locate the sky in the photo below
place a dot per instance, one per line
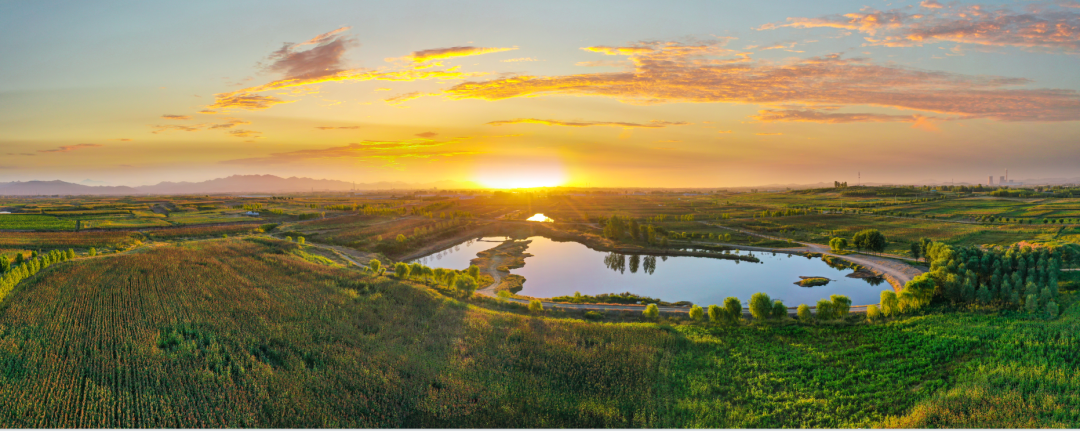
(525, 94)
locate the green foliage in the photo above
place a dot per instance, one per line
(889, 303)
(717, 314)
(779, 310)
(697, 313)
(651, 311)
(401, 270)
(734, 309)
(760, 306)
(465, 285)
(824, 310)
(536, 306)
(870, 239)
(804, 313)
(92, 252)
(375, 266)
(838, 244)
(841, 305)
(873, 313)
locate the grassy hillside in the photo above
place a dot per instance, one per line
(248, 334)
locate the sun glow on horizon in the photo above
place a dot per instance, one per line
(545, 173)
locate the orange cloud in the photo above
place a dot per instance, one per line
(401, 98)
(654, 124)
(814, 116)
(241, 133)
(427, 135)
(230, 123)
(1042, 28)
(70, 148)
(176, 117)
(176, 128)
(251, 102)
(673, 72)
(619, 50)
(457, 51)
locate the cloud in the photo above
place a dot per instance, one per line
(515, 60)
(123, 139)
(457, 51)
(176, 128)
(385, 151)
(619, 50)
(176, 117)
(427, 135)
(323, 59)
(654, 124)
(401, 98)
(70, 148)
(249, 101)
(1043, 28)
(230, 123)
(705, 73)
(768, 134)
(241, 133)
(337, 127)
(816, 116)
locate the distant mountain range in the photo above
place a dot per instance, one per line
(233, 184)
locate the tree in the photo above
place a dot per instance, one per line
(416, 270)
(760, 306)
(93, 252)
(838, 244)
(536, 306)
(1052, 309)
(983, 295)
(696, 313)
(70, 253)
(401, 270)
(651, 311)
(841, 305)
(804, 313)
(779, 310)
(717, 314)
(870, 239)
(889, 305)
(300, 240)
(5, 265)
(824, 309)
(375, 266)
(466, 285)
(288, 238)
(916, 250)
(473, 271)
(1031, 304)
(401, 238)
(873, 313)
(734, 309)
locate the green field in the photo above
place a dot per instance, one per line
(35, 222)
(245, 334)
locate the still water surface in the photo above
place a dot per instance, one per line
(562, 268)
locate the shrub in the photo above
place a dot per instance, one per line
(804, 313)
(1052, 309)
(401, 270)
(760, 306)
(717, 314)
(594, 315)
(300, 240)
(873, 313)
(536, 306)
(697, 313)
(93, 252)
(889, 305)
(473, 271)
(466, 285)
(779, 311)
(733, 308)
(824, 309)
(651, 311)
(375, 266)
(841, 305)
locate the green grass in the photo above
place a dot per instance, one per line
(35, 222)
(245, 334)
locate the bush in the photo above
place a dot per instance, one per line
(1052, 309)
(717, 314)
(401, 270)
(697, 313)
(733, 308)
(889, 305)
(804, 313)
(841, 305)
(651, 311)
(466, 285)
(594, 315)
(536, 306)
(375, 266)
(825, 309)
(873, 313)
(760, 306)
(779, 311)
(93, 252)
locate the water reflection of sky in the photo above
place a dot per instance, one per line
(561, 268)
(459, 256)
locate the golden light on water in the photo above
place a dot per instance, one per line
(540, 218)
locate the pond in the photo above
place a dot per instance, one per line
(458, 256)
(562, 268)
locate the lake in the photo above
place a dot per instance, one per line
(458, 256)
(562, 268)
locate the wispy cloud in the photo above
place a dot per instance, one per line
(384, 151)
(817, 116)
(1042, 27)
(654, 124)
(457, 51)
(162, 128)
(706, 73)
(176, 117)
(337, 127)
(427, 135)
(324, 58)
(241, 133)
(70, 148)
(230, 123)
(515, 60)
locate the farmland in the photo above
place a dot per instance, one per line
(242, 333)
